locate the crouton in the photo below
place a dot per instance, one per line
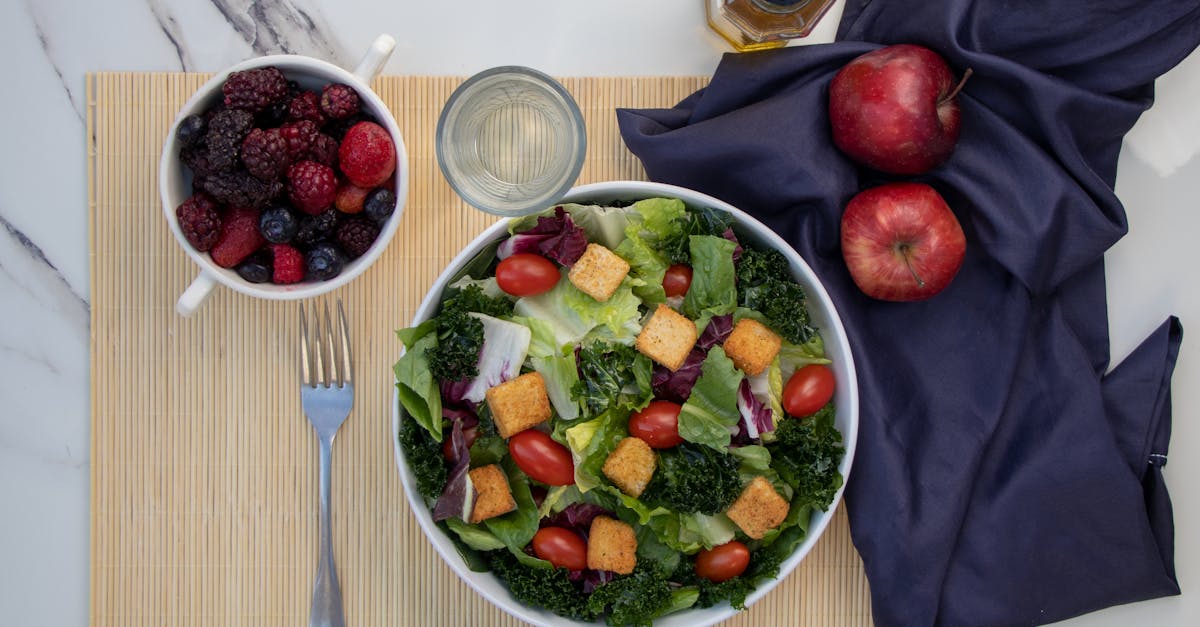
(599, 272)
(630, 466)
(752, 346)
(518, 404)
(758, 509)
(493, 497)
(612, 546)
(667, 337)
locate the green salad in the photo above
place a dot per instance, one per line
(621, 411)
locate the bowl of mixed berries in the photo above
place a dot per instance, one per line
(284, 177)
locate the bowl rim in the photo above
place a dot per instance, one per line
(848, 405)
(318, 69)
(577, 133)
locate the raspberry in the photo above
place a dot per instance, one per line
(288, 264)
(300, 136)
(324, 150)
(339, 101)
(322, 262)
(226, 130)
(265, 154)
(239, 189)
(306, 106)
(380, 204)
(356, 235)
(255, 90)
(199, 221)
(311, 186)
(350, 197)
(367, 155)
(239, 238)
(318, 228)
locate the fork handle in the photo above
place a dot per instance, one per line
(327, 594)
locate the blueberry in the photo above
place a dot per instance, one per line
(256, 268)
(323, 261)
(190, 130)
(278, 225)
(379, 204)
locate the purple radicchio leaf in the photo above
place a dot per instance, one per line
(557, 238)
(577, 516)
(459, 495)
(731, 236)
(677, 386)
(716, 332)
(756, 416)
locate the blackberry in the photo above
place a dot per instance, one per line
(356, 235)
(339, 101)
(337, 128)
(196, 159)
(380, 204)
(256, 268)
(255, 90)
(306, 106)
(324, 150)
(238, 188)
(226, 130)
(190, 131)
(265, 154)
(300, 136)
(318, 228)
(277, 113)
(278, 225)
(200, 222)
(323, 262)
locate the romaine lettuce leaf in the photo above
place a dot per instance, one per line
(418, 390)
(712, 292)
(710, 416)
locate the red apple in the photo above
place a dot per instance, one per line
(901, 242)
(895, 109)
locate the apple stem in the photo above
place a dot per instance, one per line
(908, 264)
(957, 88)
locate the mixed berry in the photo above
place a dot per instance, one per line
(288, 184)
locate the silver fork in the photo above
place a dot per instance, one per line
(327, 394)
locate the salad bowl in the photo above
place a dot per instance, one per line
(823, 316)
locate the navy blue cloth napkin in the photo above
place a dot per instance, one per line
(1005, 475)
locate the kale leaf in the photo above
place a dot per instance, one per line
(806, 453)
(541, 587)
(765, 284)
(460, 336)
(424, 455)
(699, 221)
(607, 372)
(635, 599)
(694, 478)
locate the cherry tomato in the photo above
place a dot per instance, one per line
(677, 280)
(469, 435)
(722, 562)
(657, 424)
(561, 547)
(542, 458)
(526, 274)
(808, 390)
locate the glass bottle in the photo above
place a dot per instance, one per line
(759, 24)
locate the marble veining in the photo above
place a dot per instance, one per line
(281, 26)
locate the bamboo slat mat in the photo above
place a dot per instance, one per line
(203, 468)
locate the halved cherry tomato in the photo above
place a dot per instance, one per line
(657, 424)
(526, 274)
(722, 562)
(808, 390)
(561, 547)
(469, 435)
(540, 457)
(677, 280)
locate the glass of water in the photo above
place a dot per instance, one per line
(510, 141)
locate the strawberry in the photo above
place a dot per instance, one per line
(239, 237)
(367, 155)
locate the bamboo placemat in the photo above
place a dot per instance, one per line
(203, 468)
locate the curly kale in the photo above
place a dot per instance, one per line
(806, 453)
(701, 221)
(735, 589)
(541, 587)
(764, 283)
(609, 371)
(694, 478)
(460, 336)
(636, 599)
(424, 457)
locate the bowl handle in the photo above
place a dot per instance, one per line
(195, 294)
(377, 55)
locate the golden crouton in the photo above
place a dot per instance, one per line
(630, 466)
(599, 272)
(752, 346)
(611, 546)
(667, 337)
(518, 404)
(493, 496)
(758, 509)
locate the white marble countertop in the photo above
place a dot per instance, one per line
(44, 274)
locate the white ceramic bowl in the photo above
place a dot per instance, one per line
(824, 318)
(175, 181)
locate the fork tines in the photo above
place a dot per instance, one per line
(325, 354)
